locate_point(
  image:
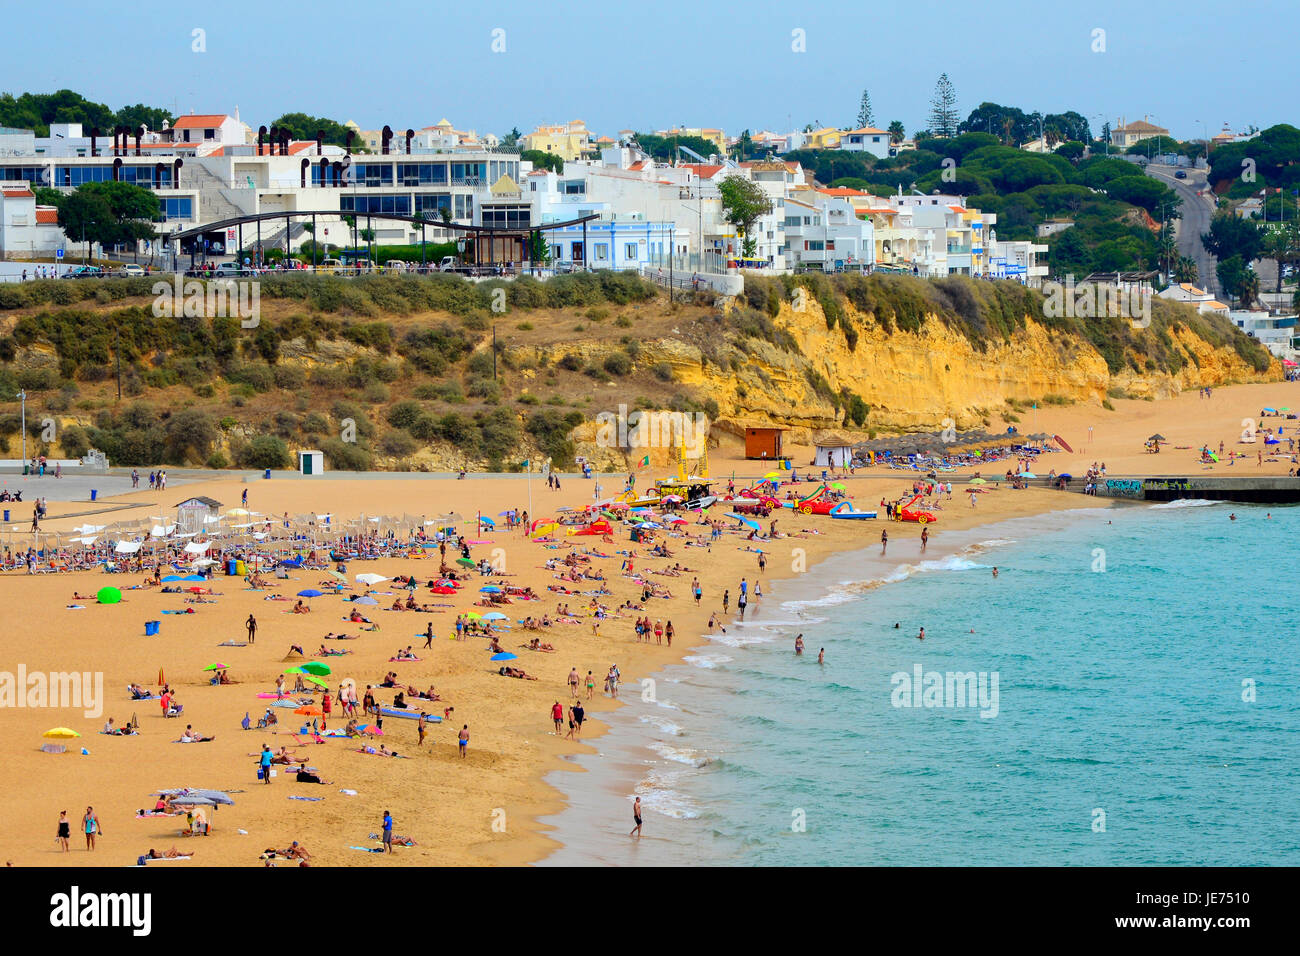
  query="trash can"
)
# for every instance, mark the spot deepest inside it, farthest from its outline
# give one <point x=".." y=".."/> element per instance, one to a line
<point x="6" y="514"/>
<point x="151" y="628"/>
<point x="27" y="469"/>
<point x="93" y="494"/>
<point x="230" y="567"/>
<point x="267" y="474"/>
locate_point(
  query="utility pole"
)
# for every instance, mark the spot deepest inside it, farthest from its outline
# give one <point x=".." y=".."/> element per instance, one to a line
<point x="22" y="397"/>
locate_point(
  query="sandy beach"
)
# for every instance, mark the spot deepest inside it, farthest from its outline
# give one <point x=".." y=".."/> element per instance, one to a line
<point x="482" y="809"/>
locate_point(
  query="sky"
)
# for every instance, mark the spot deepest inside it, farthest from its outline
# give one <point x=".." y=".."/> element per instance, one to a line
<point x="1191" y="66"/>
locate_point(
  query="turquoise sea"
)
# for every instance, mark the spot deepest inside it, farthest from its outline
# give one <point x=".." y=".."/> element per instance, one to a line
<point x="1147" y="668"/>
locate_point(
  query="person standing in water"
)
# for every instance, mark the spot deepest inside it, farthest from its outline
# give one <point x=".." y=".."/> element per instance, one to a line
<point x="798" y="645"/>
<point x="884" y="541"/>
<point x="636" y="815"/>
<point x="821" y="656"/>
<point x="921" y="636"/>
<point x="925" y="538"/>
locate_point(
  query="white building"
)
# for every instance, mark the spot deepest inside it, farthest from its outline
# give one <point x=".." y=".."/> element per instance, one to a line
<point x="824" y="232"/>
<point x="26" y="229"/>
<point x="1277" y="333"/>
<point x="1190" y="294"/>
<point x="866" y="139"/>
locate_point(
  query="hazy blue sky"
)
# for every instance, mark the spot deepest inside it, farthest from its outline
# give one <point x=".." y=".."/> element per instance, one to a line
<point x="648" y="65"/>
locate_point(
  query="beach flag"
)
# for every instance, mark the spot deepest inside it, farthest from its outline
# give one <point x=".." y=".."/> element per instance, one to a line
<point x="160" y="677"/>
<point x="643" y="462"/>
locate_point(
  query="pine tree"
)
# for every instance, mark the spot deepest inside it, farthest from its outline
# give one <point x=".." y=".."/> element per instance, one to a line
<point x="943" y="109"/>
<point x="865" y="116"/>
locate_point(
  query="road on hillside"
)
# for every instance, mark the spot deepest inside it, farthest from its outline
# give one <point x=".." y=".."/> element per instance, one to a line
<point x="1197" y="211"/>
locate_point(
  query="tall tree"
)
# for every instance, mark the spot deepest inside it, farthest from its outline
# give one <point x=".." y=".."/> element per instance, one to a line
<point x="896" y="131"/>
<point x="1231" y="235"/>
<point x="743" y="204"/>
<point x="1282" y="246"/>
<point x="865" y="116"/>
<point x="943" y="108"/>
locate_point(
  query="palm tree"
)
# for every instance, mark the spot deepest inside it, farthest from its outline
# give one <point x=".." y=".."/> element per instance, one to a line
<point x="1280" y="245"/>
<point x="1249" y="288"/>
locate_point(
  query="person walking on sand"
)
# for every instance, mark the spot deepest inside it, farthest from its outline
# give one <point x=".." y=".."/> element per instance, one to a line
<point x="591" y="685"/>
<point x="573" y="681"/>
<point x="636" y="815"/>
<point x="251" y="624"/>
<point x="668" y="633"/>
<point x="421" y="728"/>
<point x="462" y="739"/>
<point x="266" y="763"/>
<point x="388" y="832"/>
<point x="925" y="538"/>
<point x="726" y="601"/>
<point x="90" y="823"/>
<point x="579" y="715"/>
<point x="972" y="499"/>
<point x="557" y="715"/>
<point x="428" y="635"/>
<point x="65" y="830"/>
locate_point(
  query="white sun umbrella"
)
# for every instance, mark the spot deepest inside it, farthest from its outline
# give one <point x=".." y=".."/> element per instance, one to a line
<point x="369" y="578"/>
<point x="127" y="547"/>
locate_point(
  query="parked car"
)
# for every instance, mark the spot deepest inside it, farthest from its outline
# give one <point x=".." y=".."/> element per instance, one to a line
<point x="1181" y="174"/>
<point x="329" y="265"/>
<point x="231" y="270"/>
<point x="130" y="269"/>
<point x="84" y="272"/>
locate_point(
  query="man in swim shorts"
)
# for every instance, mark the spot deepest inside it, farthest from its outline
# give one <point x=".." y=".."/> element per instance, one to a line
<point x="462" y="739"/>
<point x="636" y="815"/>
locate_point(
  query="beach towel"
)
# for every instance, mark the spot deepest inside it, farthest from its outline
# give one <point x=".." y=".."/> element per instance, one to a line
<point x="232" y="644"/>
<point x="403" y="660"/>
<point x="188" y="610"/>
<point x="308" y="799"/>
<point x="76" y="607"/>
<point x="368" y="849"/>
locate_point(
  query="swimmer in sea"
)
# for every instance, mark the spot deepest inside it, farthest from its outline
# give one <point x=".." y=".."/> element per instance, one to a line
<point x="798" y="644"/>
<point x="821" y="656"/>
<point x="921" y="636"/>
<point x="995" y="571"/>
<point x="1232" y="517"/>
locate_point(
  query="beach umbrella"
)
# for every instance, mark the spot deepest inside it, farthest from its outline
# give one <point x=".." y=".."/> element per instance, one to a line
<point x="1157" y="437"/>
<point x="194" y="577"/>
<point x="487" y="521"/>
<point x="286" y="702"/>
<point x="194" y="800"/>
<point x="773" y="474"/>
<point x="196" y="589"/>
<point x="316" y="680"/>
<point x="494" y="616"/>
<point x="335" y="574"/>
<point x="108" y="596"/>
<point x="615" y="506"/>
<point x="240" y="512"/>
<point x="467" y="562"/>
<point x="504" y="514"/>
<point x="489" y="589"/>
<point x="370" y="578"/>
<point x="676" y="520"/>
<point x="440" y="589"/>
<point x="366" y="599"/>
<point x="504" y="656"/>
<point x="1026" y="474"/>
<point x="172" y="578"/>
<point x="837" y="486"/>
<point x="310" y="593"/>
<point x="215" y="667"/>
<point x="310" y="711"/>
<point x="1066" y="476"/>
<point x="316" y="667"/>
<point x="60" y="733"/>
<point x="977" y="481"/>
<point x="473" y="615"/>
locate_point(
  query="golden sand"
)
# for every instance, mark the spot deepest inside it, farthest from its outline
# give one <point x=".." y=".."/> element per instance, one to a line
<point x="478" y="810"/>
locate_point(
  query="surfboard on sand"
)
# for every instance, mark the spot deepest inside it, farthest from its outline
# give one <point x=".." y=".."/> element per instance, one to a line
<point x="1061" y="441"/>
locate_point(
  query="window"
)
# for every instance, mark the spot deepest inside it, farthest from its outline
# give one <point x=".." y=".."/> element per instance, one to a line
<point x="400" y="205"/>
<point x="372" y="174"/>
<point x="602" y="251"/>
<point x="813" y="245"/>
<point x="31" y="174"/>
<point x="464" y="206"/>
<point x="830" y="245"/>
<point x="422" y="174"/>
<point x="629" y="250"/>
<point x="176" y="207"/>
<point x="432" y="203"/>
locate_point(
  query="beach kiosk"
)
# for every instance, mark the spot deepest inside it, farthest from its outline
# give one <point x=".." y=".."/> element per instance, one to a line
<point x="191" y="512"/>
<point x="833" y="451"/>
<point x="311" y="462"/>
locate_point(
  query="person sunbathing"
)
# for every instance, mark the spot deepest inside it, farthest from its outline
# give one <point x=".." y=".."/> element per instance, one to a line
<point x="390" y="680"/>
<point x="295" y="852"/>
<point x="301" y="608"/>
<point x="399" y="701"/>
<point x="306" y="776"/>
<point x="406" y="655"/>
<point x="171" y="854"/>
<point x="397" y="605"/>
<point x="282" y="757"/>
<point x="327" y="652"/>
<point x="192" y="736"/>
<point x="380" y="751"/>
<point x="223" y="677"/>
<point x="356" y="617"/>
<point x="138" y="692"/>
<point x="536" y="645"/>
<point x="83" y="597"/>
<point x="430" y="694"/>
<point x="515" y="672"/>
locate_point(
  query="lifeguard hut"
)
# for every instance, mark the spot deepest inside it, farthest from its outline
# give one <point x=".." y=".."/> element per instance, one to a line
<point x="311" y="462"/>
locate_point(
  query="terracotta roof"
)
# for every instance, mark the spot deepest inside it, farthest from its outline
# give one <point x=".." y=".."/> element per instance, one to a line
<point x="638" y="165"/>
<point x="1215" y="303"/>
<point x="203" y="120"/>
<point x="840" y="191"/>
<point x="956" y="208"/>
<point x="47" y="214"/>
<point x="703" y="170"/>
<point x="869" y="130"/>
<point x="1141" y="126"/>
<point x="18" y="192"/>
